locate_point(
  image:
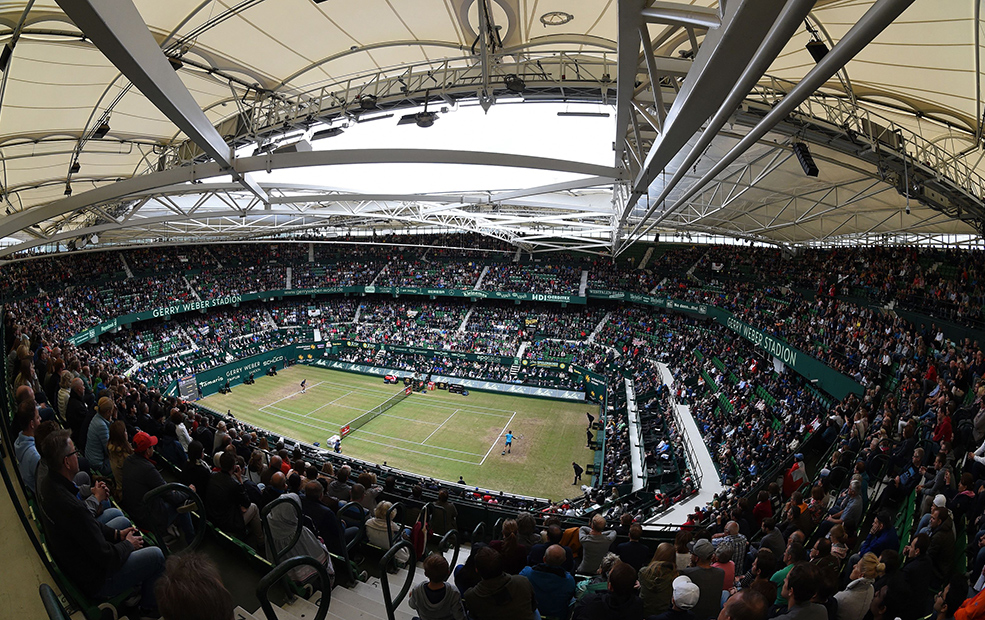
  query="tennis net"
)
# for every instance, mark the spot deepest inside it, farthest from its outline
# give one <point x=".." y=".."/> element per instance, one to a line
<point x="375" y="411"/>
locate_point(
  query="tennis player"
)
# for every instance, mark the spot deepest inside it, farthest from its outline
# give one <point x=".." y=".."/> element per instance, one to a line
<point x="304" y="384"/>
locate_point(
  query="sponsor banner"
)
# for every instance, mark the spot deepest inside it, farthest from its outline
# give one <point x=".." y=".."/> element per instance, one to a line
<point x="472" y="357"/>
<point x="601" y="293"/>
<point x="211" y="380"/>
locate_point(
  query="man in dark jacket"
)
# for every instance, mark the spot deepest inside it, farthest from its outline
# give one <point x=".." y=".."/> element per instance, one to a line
<point x="140" y="476"/>
<point x="499" y="595"/>
<point x="919" y="574"/>
<point x="76" y="411"/>
<point x="941" y="550"/>
<point x="634" y="553"/>
<point x="326" y="523"/>
<point x="553" y="586"/>
<point x="228" y="505"/>
<point x="100" y="560"/>
<point x="619" y="602"/>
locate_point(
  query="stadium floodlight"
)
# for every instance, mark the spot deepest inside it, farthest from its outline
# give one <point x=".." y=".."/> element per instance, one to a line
<point x="102" y="130"/>
<point x="806" y="160"/>
<point x="514" y="84"/>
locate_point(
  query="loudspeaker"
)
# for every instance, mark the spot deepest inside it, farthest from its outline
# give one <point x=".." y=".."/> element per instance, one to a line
<point x="805" y="159"/>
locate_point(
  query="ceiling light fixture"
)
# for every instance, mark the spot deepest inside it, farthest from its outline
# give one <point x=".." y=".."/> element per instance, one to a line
<point x="817" y="49"/>
<point x="102" y="130"/>
<point x="514" y="84"/>
<point x="68" y="189"/>
<point x="75" y="167"/>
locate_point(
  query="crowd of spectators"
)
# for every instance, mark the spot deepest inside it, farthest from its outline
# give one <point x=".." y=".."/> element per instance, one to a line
<point x="561" y="278"/>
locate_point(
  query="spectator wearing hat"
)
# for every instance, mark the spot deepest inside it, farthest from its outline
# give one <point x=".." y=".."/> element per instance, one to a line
<point x="684" y="598"/>
<point x="97" y="437"/>
<point x="710" y="580"/>
<point x="140" y="476"/>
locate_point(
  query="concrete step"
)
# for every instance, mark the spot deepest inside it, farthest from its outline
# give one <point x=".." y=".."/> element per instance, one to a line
<point x="369" y="598"/>
<point x="305" y="609"/>
<point x="241" y="614"/>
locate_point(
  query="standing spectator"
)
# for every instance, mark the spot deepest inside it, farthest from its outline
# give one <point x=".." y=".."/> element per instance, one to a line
<point x="595" y="542"/>
<point x="710" y="580"/>
<point x="498" y="595"/>
<point x="553" y="586"/>
<point x="98" y="436"/>
<point x="941" y="550"/>
<point x="434" y="599"/>
<point x="633" y="552"/>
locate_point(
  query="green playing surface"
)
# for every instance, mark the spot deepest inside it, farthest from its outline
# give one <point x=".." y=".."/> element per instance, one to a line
<point x="435" y="434"/>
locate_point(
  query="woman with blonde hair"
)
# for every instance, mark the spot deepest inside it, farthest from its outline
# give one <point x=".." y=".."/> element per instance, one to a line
<point x="376" y="531"/>
<point x="64" y="390"/>
<point x="854" y="601"/>
<point x="118" y="447"/>
<point x="657" y="580"/>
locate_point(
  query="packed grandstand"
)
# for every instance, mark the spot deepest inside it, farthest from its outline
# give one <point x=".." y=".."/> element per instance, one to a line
<point x="896" y="417"/>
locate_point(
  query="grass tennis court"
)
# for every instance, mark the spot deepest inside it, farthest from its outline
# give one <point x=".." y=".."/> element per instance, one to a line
<point x="435" y="434"/>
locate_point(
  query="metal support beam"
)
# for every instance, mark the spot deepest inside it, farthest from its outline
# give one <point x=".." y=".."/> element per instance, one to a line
<point x="139" y="185"/>
<point x="677" y="14"/>
<point x="627" y="65"/>
<point x="875" y="20"/>
<point x="789" y="20"/>
<point x="720" y="61"/>
<point x="117" y="29"/>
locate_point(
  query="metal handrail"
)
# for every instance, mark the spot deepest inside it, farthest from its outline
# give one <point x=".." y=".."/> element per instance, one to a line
<point x="389" y="531"/>
<point x="268" y="535"/>
<point x="449" y="541"/>
<point x="52" y="605"/>
<point x="390" y="556"/>
<point x="153" y="494"/>
<point x="362" y="524"/>
<point x="479" y="532"/>
<point x="280" y="571"/>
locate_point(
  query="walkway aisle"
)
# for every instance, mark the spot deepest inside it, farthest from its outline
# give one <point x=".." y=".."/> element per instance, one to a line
<point x="23" y="569"/>
<point x="710" y="483"/>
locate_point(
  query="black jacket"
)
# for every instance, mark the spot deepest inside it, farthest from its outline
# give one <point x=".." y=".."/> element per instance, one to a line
<point x="139" y="477"/>
<point x="225" y="499"/>
<point x="82" y="547"/>
<point x="326" y="524"/>
<point x="75" y="416"/>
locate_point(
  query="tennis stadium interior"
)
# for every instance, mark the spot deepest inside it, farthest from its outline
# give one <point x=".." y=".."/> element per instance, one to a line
<point x="643" y="259"/>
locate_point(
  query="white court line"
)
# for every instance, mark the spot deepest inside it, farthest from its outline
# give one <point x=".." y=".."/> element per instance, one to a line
<point x="496" y="443"/>
<point x="416" y="443"/>
<point x="290" y="395"/>
<point x="324" y="428"/>
<point x="428" y="454"/>
<point x="471" y="408"/>
<point x="439" y="427"/>
<point x="308" y="415"/>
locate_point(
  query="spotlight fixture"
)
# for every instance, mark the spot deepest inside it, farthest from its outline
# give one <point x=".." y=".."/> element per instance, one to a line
<point x="367" y="102"/>
<point x="514" y="84"/>
<point x="5" y="56"/>
<point x="75" y="167"/>
<point x="94" y="238"/>
<point x="424" y="119"/>
<point x="301" y="146"/>
<point x="331" y="132"/>
<point x="68" y="189"/>
<point x="175" y="62"/>
<point x="804" y="157"/>
<point x="101" y="131"/>
<point x="817" y="49"/>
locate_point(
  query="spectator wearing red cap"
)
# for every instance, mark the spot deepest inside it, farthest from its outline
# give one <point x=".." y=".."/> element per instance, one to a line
<point x="140" y="476"/>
